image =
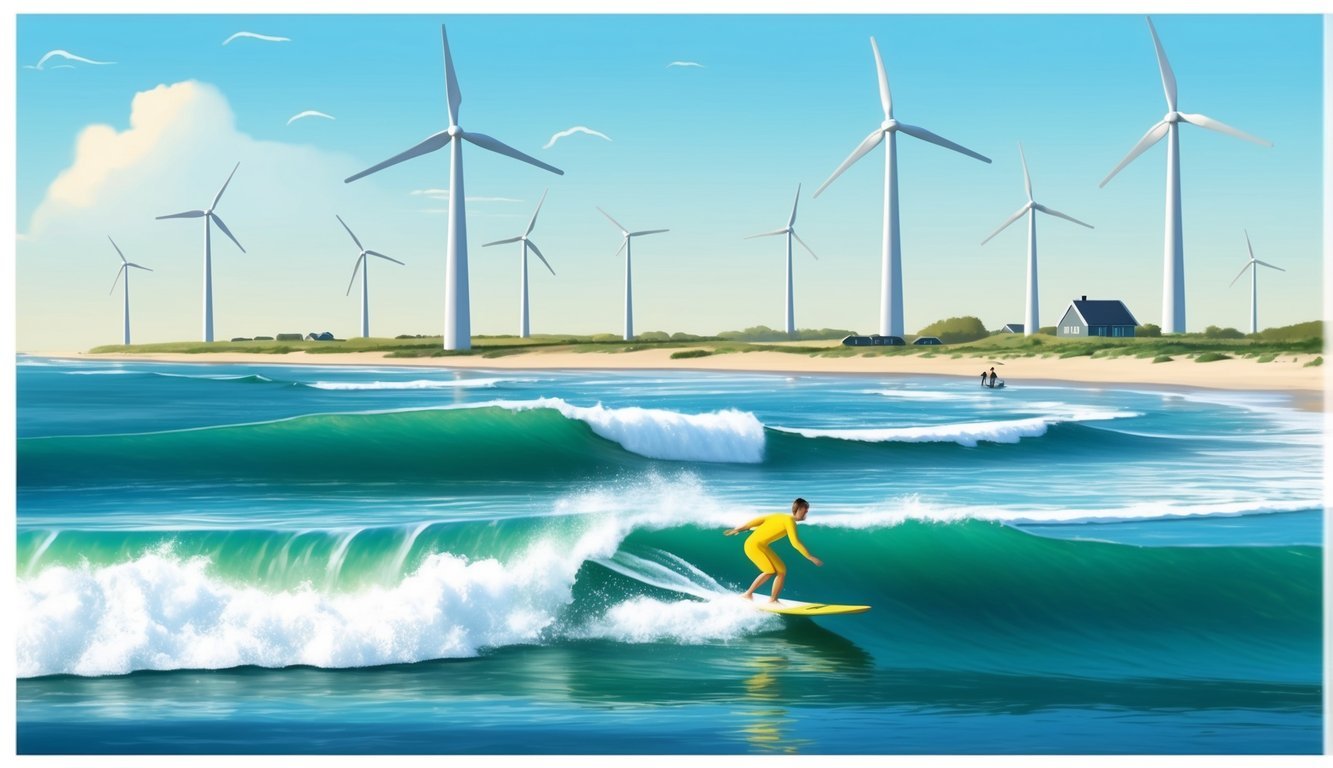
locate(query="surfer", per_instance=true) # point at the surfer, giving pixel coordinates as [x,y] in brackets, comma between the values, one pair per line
[768,529]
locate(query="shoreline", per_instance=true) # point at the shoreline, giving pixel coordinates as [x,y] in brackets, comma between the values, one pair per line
[1286,375]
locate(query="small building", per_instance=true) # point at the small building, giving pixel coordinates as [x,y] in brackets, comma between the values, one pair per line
[856,341]
[290,337]
[1012,328]
[927,341]
[1098,317]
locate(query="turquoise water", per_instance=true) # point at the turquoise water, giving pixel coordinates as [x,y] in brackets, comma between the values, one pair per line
[305,559]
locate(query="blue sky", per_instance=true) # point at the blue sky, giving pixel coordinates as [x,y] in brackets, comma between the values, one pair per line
[713,152]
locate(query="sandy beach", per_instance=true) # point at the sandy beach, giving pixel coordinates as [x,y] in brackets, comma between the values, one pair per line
[1288,373]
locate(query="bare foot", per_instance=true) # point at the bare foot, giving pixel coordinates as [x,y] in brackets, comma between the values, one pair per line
[773,600]
[748,595]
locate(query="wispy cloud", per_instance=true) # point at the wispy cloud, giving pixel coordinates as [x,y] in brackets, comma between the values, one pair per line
[257,36]
[685,64]
[41,63]
[576,129]
[443,194]
[309,113]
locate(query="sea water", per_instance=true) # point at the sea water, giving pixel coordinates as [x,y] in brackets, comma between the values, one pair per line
[330,559]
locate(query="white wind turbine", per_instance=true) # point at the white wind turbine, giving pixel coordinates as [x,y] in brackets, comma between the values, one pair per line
[365,276]
[457,314]
[1253,265]
[125,265]
[1173,260]
[523,266]
[1031,321]
[210,218]
[790,232]
[891,288]
[626,246]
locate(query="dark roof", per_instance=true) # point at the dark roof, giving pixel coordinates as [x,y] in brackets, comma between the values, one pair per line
[1012,328]
[1104,312]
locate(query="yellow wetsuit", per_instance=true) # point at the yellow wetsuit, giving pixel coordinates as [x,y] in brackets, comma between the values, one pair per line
[768,529]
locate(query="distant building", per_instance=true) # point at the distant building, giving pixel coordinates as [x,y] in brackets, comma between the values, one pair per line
[290,337]
[1098,317]
[325,336]
[1012,328]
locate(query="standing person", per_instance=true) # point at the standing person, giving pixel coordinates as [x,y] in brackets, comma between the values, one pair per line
[768,529]
[993,377]
[983,378]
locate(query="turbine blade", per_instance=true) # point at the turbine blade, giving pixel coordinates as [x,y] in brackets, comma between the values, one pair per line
[623,242]
[117,280]
[137,266]
[924,135]
[1248,264]
[450,80]
[499,147]
[503,242]
[117,247]
[1204,121]
[359,259]
[869,143]
[382,256]
[792,221]
[782,231]
[1027,179]
[184,215]
[613,221]
[1248,247]
[885,98]
[218,196]
[218,220]
[803,245]
[359,246]
[533,223]
[648,232]
[1168,78]
[537,251]
[431,144]
[1064,216]
[1270,266]
[1006,223]
[1150,138]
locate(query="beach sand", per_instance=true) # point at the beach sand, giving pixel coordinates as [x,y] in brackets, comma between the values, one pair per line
[1288,373]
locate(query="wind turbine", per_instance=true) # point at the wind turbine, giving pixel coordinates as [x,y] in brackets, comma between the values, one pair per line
[457,315]
[1173,257]
[523,266]
[891,288]
[625,245]
[790,232]
[1253,265]
[209,219]
[1030,319]
[125,265]
[365,276]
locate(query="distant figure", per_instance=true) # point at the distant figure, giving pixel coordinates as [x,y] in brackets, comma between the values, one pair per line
[769,529]
[983,378]
[993,377]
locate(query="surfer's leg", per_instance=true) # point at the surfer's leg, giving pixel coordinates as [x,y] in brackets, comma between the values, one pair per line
[758,582]
[777,587]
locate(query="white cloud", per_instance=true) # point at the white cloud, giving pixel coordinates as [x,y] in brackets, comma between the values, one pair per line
[685,64]
[41,63]
[257,36]
[309,113]
[570,131]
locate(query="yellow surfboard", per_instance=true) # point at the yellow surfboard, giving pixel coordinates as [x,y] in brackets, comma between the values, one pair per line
[798,608]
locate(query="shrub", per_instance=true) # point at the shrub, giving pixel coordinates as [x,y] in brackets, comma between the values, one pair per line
[1209,357]
[956,329]
[1162,359]
[1318,361]
[1148,330]
[653,336]
[687,353]
[1213,332]
[1046,330]
[1298,332]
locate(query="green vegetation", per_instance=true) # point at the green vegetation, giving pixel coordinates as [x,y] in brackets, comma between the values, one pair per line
[1213,332]
[1162,359]
[1148,331]
[955,330]
[764,333]
[1318,361]
[1210,357]
[1311,331]
[688,353]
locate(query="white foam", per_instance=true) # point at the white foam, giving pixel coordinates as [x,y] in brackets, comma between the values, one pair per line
[647,620]
[407,385]
[967,433]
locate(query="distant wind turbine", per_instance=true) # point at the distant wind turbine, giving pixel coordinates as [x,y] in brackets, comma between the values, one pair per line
[790,232]
[1253,265]
[210,218]
[1031,321]
[1173,259]
[523,330]
[125,265]
[626,246]
[457,314]
[365,276]
[891,288]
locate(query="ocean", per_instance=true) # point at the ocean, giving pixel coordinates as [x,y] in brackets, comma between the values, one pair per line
[270,559]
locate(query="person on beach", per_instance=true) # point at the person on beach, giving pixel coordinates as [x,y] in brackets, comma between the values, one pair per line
[993,377]
[983,378]
[768,529]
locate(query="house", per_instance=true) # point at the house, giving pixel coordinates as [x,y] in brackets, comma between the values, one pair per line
[325,336]
[289,337]
[1012,328]
[1099,317]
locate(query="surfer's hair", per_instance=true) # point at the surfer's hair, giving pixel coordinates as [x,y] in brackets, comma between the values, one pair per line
[799,504]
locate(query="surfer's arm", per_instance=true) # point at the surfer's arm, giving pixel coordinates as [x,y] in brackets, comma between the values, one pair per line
[796,542]
[753,523]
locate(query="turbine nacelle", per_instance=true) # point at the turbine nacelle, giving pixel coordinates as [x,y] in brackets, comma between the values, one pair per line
[889,125]
[1173,117]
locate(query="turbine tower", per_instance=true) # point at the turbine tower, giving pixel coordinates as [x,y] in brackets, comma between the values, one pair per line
[125,265]
[457,314]
[790,232]
[523,266]
[210,219]
[891,288]
[1031,322]
[1173,257]
[626,246]
[365,276]
[1253,265]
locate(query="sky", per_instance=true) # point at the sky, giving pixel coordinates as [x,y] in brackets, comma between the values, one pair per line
[713,152]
